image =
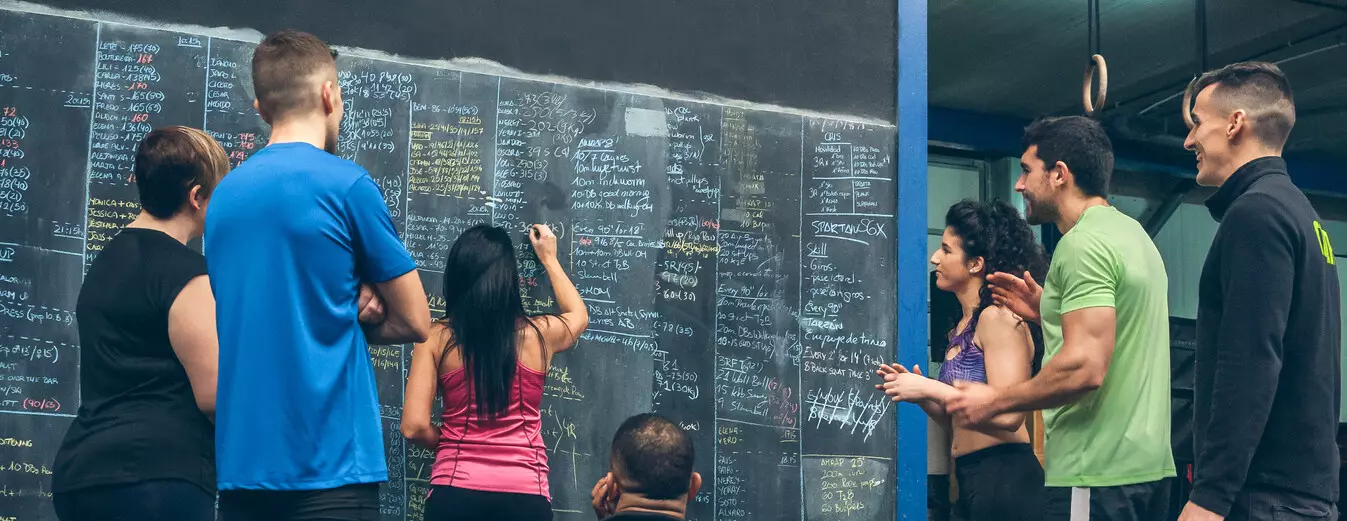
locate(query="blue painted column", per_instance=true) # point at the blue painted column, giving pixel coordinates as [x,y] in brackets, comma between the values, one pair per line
[912,324]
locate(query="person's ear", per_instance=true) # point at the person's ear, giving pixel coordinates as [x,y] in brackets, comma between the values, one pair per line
[694,485]
[330,100]
[195,199]
[976,265]
[1057,174]
[1238,121]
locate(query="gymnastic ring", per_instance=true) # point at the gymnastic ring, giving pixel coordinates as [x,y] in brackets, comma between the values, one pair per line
[1188,103]
[1096,63]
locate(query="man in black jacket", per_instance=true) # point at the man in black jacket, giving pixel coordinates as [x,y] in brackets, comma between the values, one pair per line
[1268,342]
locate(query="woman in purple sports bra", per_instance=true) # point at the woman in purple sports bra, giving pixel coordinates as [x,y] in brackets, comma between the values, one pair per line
[997,473]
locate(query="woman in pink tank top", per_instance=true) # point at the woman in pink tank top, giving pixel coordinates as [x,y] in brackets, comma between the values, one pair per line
[488,359]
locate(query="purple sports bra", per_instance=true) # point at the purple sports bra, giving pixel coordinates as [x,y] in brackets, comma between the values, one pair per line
[968,365]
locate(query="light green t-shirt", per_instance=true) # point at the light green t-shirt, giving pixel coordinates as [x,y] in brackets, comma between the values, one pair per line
[1119,434]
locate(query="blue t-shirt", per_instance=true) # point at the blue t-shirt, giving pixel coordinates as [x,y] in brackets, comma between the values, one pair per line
[290,235]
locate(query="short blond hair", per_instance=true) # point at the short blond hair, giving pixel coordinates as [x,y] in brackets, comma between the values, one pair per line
[170,161]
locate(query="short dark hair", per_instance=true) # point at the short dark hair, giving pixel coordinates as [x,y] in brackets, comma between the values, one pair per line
[654,455]
[283,66]
[170,161]
[1081,143]
[1261,90]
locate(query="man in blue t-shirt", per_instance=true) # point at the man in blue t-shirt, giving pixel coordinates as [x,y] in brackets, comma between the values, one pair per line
[294,236]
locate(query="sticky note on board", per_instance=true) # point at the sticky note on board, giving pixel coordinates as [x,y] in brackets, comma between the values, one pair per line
[646,123]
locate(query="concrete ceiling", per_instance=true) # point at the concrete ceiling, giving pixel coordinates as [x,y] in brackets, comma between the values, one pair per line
[1026,58]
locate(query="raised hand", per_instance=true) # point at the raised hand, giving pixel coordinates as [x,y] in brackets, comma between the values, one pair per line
[1020,295]
[544,243]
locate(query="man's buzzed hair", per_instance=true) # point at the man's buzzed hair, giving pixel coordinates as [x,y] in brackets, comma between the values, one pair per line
[1262,91]
[285,66]
[653,457]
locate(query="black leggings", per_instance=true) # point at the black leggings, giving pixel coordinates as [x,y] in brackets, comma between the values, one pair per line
[359,502]
[1001,482]
[452,503]
[157,500]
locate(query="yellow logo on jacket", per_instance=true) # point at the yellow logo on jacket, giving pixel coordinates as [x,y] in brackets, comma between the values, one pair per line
[1325,247]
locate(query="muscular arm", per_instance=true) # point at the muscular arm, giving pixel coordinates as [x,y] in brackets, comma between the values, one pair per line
[1084,278]
[407,318]
[382,260]
[1079,368]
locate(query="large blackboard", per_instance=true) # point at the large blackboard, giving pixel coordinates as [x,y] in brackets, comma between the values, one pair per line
[795,53]
[738,264]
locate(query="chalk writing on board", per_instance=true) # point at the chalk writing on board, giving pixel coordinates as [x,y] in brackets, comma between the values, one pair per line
[393,491]
[727,256]
[756,472]
[230,116]
[106,217]
[841,479]
[24,469]
[14,175]
[138,86]
[129,97]
[447,166]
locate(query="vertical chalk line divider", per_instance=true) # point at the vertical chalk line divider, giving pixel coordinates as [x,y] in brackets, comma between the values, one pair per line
[799,325]
[205,97]
[205,110]
[911,151]
[88,168]
[406,221]
[93,112]
[205,106]
[495,153]
[715,330]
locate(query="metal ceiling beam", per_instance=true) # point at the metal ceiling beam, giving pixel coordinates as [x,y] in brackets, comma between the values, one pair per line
[1201,18]
[994,134]
[1325,5]
[1170,88]
[1167,206]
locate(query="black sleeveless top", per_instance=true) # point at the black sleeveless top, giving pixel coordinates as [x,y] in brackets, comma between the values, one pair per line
[138,419]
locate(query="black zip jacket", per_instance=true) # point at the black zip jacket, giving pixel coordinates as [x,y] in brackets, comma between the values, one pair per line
[1267,362]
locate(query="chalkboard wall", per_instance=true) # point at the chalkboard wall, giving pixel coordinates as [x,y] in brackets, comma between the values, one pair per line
[822,56]
[738,264]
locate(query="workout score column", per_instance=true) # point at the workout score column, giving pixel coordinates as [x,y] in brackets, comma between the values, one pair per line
[375,132]
[685,300]
[448,188]
[847,319]
[146,79]
[44,120]
[757,343]
[230,116]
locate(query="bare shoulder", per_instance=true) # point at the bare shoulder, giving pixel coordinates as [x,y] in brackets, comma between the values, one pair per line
[1001,330]
[439,336]
[998,316]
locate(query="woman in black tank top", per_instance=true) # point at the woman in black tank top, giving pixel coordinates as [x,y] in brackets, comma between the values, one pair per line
[142,443]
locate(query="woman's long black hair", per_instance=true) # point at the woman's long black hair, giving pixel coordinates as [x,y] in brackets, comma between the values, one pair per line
[1005,241]
[484,310]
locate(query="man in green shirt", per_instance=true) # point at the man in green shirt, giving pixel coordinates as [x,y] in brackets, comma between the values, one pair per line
[1104,386]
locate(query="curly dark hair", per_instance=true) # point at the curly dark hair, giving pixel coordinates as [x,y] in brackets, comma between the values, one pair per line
[1005,241]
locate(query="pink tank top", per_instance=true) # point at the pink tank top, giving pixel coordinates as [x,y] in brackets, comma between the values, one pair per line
[501,455]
